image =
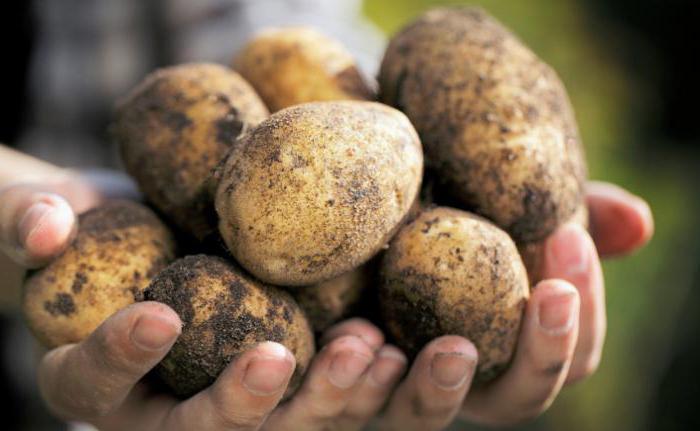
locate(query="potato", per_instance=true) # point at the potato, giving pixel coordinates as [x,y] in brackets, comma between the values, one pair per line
[224,313]
[293,65]
[533,253]
[119,247]
[173,129]
[317,189]
[452,272]
[330,301]
[495,120]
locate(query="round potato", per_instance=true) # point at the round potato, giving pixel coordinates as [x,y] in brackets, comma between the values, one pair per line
[317,189]
[495,120]
[293,65]
[330,301]
[224,313]
[452,272]
[119,247]
[173,129]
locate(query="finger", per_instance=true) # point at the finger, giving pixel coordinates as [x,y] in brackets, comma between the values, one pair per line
[571,256]
[357,327]
[430,396]
[544,352]
[330,383]
[620,221]
[91,379]
[35,225]
[243,395]
[375,389]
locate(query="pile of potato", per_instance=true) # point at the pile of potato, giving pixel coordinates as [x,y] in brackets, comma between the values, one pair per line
[297,199]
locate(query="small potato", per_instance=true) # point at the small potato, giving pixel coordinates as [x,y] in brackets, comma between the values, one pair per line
[452,272]
[224,313]
[174,128]
[293,65]
[120,246]
[496,122]
[330,301]
[317,189]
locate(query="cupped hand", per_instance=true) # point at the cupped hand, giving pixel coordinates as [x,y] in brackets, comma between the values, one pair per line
[354,375]
[561,340]
[100,380]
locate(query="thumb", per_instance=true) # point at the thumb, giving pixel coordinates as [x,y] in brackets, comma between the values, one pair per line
[35,224]
[91,379]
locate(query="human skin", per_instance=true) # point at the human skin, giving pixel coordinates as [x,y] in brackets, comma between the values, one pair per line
[355,373]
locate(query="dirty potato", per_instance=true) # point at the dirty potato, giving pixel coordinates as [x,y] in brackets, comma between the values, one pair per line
[495,121]
[452,272]
[119,247]
[317,189]
[330,301]
[293,65]
[172,130]
[224,313]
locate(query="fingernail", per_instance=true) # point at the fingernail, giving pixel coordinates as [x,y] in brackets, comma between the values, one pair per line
[269,372]
[568,250]
[346,369]
[33,219]
[154,333]
[388,367]
[450,370]
[556,314]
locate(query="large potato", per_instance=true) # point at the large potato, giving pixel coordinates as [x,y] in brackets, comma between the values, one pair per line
[224,313]
[120,246]
[172,130]
[451,272]
[317,189]
[495,121]
[293,65]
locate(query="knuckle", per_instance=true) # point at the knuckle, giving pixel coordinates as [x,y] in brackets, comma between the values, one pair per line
[553,369]
[354,418]
[584,369]
[108,352]
[84,408]
[229,419]
[240,417]
[421,408]
[324,411]
[534,406]
[357,415]
[95,408]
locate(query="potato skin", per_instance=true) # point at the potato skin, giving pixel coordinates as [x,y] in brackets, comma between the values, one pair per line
[452,272]
[293,65]
[119,247]
[224,313]
[172,130]
[495,120]
[330,301]
[317,189]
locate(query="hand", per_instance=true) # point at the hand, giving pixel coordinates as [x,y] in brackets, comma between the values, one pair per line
[560,341]
[97,380]
[40,202]
[37,221]
[564,327]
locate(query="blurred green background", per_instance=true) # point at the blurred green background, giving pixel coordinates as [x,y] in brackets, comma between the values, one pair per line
[615,73]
